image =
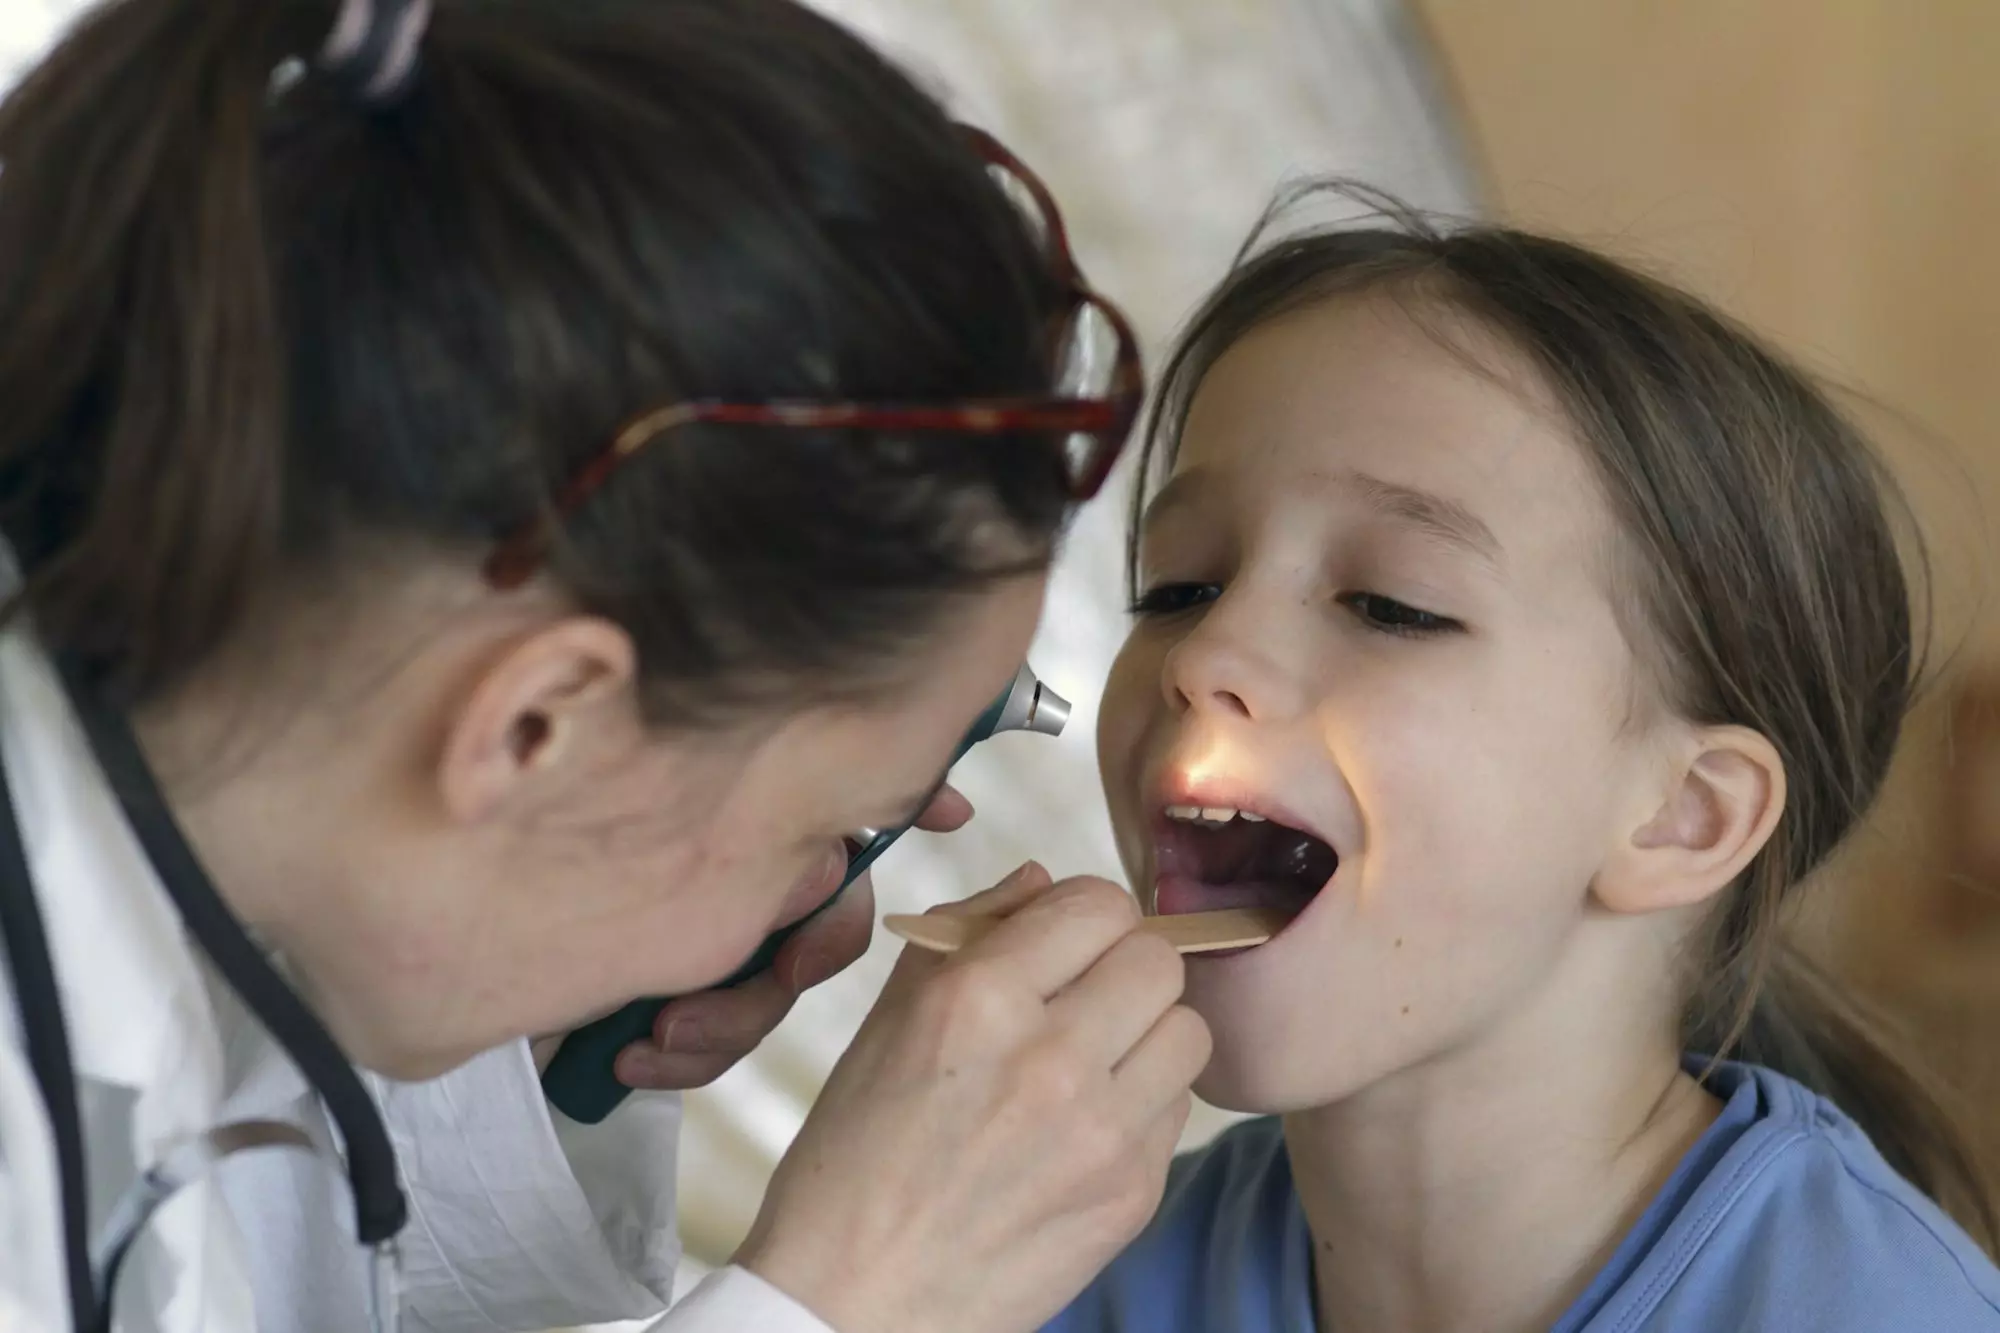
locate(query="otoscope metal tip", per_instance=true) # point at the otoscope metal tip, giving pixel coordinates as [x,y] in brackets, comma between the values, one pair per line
[1051,712]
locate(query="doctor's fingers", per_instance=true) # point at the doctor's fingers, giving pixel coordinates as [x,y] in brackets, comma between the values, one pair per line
[1023,885]
[828,944]
[698,1038]
[948,810]
[647,1069]
[1106,1013]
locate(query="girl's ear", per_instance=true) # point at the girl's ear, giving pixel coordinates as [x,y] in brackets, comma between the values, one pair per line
[1722,799]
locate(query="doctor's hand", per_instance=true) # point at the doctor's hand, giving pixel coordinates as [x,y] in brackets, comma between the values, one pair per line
[699,1038]
[1000,1128]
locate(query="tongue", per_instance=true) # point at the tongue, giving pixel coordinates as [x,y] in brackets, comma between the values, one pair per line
[1239,864]
[1221,854]
[1177,895]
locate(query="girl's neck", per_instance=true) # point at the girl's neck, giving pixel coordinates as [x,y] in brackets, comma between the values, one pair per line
[1485,1189]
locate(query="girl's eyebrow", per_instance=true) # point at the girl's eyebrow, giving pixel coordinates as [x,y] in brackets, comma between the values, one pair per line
[1178,491]
[1435,516]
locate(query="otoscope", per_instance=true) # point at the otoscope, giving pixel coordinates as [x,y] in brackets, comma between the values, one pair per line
[579,1081]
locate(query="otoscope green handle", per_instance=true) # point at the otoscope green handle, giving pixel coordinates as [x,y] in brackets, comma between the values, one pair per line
[579,1081]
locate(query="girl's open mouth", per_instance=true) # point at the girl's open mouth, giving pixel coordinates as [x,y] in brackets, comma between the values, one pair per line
[1208,858]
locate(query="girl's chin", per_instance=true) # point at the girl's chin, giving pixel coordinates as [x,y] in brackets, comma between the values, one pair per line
[1243,1075]
[1227,1087]
[1249,1073]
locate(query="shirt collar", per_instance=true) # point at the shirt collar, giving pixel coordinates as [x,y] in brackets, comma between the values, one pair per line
[131,989]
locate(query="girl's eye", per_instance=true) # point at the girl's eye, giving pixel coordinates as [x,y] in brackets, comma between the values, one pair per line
[1170,598]
[1390,616]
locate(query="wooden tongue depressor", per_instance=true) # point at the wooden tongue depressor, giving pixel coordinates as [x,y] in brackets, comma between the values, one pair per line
[1191,932]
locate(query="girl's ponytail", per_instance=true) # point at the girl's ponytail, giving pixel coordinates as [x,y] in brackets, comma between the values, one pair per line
[1809,1027]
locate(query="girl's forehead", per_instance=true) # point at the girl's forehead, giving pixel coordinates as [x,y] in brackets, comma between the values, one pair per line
[1364,395]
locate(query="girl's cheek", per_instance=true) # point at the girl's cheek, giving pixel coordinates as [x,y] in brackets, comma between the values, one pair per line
[1122,715]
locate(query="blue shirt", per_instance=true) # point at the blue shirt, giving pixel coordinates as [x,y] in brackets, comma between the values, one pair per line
[1781,1219]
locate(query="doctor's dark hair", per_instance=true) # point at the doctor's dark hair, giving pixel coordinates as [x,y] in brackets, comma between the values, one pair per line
[1761,578]
[246,319]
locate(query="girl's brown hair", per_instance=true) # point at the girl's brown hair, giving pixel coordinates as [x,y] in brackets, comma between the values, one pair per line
[1761,549]
[247,318]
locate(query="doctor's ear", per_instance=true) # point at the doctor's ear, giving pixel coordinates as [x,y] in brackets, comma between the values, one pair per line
[1723,797]
[542,699]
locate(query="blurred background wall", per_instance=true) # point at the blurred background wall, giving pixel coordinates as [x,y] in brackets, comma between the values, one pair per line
[1828,170]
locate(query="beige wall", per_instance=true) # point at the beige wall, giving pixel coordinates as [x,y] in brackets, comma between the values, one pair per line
[1830,171]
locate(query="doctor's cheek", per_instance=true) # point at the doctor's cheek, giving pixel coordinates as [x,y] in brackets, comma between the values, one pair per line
[699,1038]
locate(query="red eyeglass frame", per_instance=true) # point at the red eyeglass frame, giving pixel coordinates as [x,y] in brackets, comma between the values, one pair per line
[1107,421]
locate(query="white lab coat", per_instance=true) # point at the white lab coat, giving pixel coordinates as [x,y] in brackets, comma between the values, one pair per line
[515,1222]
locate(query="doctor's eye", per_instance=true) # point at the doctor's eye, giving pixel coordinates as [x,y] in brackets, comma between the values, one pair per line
[1168,599]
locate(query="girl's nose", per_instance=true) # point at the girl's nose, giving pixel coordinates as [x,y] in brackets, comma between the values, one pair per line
[1225,665]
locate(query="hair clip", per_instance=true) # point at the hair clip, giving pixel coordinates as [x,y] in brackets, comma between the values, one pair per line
[374,46]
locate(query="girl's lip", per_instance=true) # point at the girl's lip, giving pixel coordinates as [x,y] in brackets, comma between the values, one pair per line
[1229,794]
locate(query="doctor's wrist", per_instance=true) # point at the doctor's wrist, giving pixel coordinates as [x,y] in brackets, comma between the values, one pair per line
[842,1299]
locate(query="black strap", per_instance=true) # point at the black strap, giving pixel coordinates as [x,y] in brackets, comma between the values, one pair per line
[40,1002]
[379,1207]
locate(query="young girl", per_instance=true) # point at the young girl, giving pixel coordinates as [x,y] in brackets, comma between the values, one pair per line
[1531,633]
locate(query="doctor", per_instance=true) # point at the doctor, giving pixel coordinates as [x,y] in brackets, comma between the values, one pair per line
[494,502]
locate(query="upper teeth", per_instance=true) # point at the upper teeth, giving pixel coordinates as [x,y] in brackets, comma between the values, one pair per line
[1210,814]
